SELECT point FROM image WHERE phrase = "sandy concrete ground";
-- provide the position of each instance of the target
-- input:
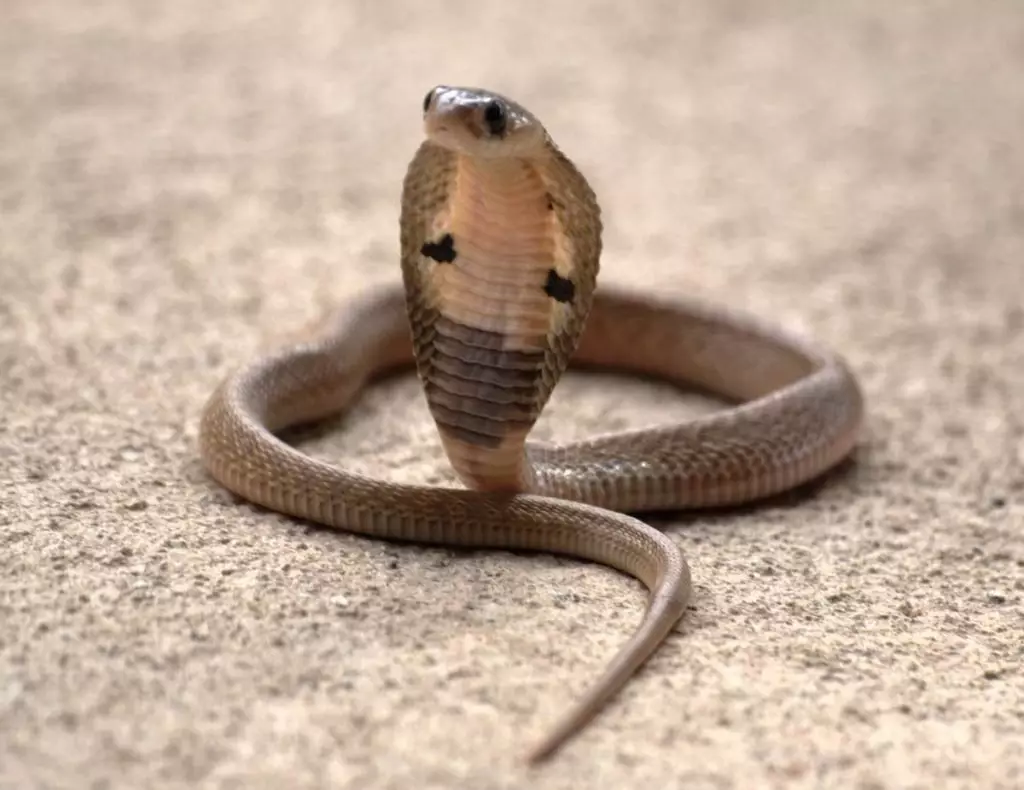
(183, 184)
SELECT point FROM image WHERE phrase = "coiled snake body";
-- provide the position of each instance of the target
(500, 241)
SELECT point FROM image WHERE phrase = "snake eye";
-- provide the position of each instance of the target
(495, 117)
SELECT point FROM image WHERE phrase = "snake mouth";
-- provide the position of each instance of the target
(452, 128)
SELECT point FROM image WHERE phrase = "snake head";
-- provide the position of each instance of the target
(480, 123)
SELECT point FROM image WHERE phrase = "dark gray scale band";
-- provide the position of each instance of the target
(478, 391)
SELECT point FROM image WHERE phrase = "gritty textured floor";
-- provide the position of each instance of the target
(182, 184)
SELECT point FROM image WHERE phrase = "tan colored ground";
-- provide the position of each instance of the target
(183, 183)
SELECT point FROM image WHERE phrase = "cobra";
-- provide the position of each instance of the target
(500, 238)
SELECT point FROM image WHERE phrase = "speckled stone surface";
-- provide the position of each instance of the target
(182, 184)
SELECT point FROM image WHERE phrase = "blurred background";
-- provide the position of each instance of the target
(182, 184)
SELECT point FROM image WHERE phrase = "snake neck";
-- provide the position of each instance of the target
(498, 298)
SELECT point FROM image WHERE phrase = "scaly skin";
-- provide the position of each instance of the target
(500, 240)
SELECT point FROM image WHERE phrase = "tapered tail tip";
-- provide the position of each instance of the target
(557, 738)
(543, 751)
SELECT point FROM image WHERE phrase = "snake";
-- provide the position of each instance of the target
(500, 245)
